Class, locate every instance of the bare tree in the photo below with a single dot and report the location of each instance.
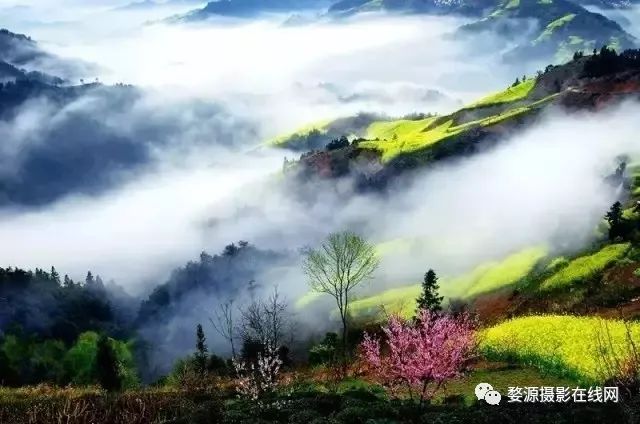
(267, 321)
(224, 325)
(277, 316)
(342, 262)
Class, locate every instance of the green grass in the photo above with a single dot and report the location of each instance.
(584, 267)
(501, 378)
(561, 345)
(409, 137)
(401, 300)
(392, 138)
(282, 140)
(485, 278)
(553, 26)
(507, 272)
(511, 94)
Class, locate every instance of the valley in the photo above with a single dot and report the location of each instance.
(270, 213)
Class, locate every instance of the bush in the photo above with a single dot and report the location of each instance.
(324, 352)
(354, 415)
(304, 416)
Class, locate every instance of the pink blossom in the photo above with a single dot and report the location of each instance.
(433, 349)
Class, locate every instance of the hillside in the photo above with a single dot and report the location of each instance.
(391, 147)
(250, 8)
(608, 4)
(30, 61)
(532, 280)
(345, 8)
(396, 268)
(562, 27)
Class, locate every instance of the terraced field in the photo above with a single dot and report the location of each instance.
(568, 346)
(485, 278)
(584, 267)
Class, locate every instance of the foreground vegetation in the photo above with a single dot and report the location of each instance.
(304, 406)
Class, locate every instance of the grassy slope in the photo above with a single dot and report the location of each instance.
(511, 94)
(584, 267)
(282, 140)
(551, 28)
(394, 138)
(562, 345)
(485, 278)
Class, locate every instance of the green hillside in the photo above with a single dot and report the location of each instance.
(584, 267)
(564, 28)
(392, 138)
(485, 278)
(343, 8)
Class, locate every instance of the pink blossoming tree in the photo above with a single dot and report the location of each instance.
(420, 355)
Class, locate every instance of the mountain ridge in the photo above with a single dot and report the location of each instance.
(390, 148)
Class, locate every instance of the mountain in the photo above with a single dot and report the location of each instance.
(250, 8)
(607, 4)
(435, 7)
(25, 55)
(18, 49)
(143, 5)
(382, 149)
(562, 28)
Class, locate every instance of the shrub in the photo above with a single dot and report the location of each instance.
(257, 379)
(324, 352)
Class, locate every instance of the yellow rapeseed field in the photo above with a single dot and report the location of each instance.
(581, 348)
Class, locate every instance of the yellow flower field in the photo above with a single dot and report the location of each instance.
(569, 346)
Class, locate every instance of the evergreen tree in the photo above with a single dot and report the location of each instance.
(99, 282)
(89, 280)
(107, 367)
(615, 220)
(68, 282)
(55, 277)
(201, 356)
(429, 298)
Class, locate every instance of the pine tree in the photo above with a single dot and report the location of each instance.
(89, 280)
(429, 299)
(201, 356)
(68, 282)
(107, 367)
(54, 275)
(614, 218)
